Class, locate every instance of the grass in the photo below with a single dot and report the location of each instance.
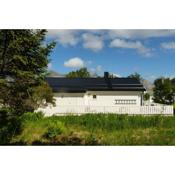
(89, 129)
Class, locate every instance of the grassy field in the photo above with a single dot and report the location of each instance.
(90, 129)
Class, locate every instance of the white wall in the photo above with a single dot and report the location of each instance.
(66, 99)
(103, 98)
(81, 103)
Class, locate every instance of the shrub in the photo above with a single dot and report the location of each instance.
(92, 140)
(9, 127)
(76, 138)
(54, 128)
(146, 96)
(5, 113)
(73, 138)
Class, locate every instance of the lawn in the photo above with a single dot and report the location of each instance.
(89, 129)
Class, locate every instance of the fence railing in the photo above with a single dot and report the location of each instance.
(131, 110)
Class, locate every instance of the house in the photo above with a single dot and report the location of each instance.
(97, 91)
(100, 95)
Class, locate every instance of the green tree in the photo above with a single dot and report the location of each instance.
(136, 76)
(23, 66)
(146, 96)
(81, 73)
(163, 91)
(173, 81)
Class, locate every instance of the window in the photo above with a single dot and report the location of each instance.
(125, 102)
(94, 96)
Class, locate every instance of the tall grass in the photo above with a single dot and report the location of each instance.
(89, 129)
(110, 122)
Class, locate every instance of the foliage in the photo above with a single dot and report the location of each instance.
(30, 116)
(136, 76)
(89, 129)
(173, 81)
(81, 73)
(76, 138)
(9, 126)
(163, 91)
(146, 96)
(42, 95)
(23, 64)
(5, 113)
(54, 129)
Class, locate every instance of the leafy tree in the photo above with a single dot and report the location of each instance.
(23, 65)
(163, 91)
(111, 75)
(81, 73)
(173, 81)
(136, 76)
(146, 96)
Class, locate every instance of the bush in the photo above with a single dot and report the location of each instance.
(54, 128)
(5, 113)
(92, 140)
(146, 96)
(9, 127)
(75, 138)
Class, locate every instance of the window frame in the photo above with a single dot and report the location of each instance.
(125, 101)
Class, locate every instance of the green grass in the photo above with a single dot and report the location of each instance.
(89, 129)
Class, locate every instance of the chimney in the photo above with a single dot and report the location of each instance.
(106, 75)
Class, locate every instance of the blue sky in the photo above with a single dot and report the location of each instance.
(122, 52)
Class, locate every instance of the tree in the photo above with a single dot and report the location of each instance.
(163, 91)
(81, 73)
(173, 81)
(146, 96)
(136, 76)
(23, 65)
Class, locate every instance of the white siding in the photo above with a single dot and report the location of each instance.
(108, 98)
(69, 99)
(80, 103)
(103, 98)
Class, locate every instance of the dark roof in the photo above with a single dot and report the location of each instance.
(94, 84)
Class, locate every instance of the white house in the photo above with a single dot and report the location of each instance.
(93, 95)
(97, 91)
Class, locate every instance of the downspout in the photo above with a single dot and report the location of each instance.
(141, 98)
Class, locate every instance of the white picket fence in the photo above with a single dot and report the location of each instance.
(130, 110)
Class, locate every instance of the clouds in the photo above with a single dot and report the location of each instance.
(136, 45)
(140, 34)
(94, 71)
(64, 37)
(75, 62)
(92, 42)
(168, 45)
(89, 38)
(78, 63)
(49, 66)
(97, 40)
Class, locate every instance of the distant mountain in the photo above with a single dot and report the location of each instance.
(54, 74)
